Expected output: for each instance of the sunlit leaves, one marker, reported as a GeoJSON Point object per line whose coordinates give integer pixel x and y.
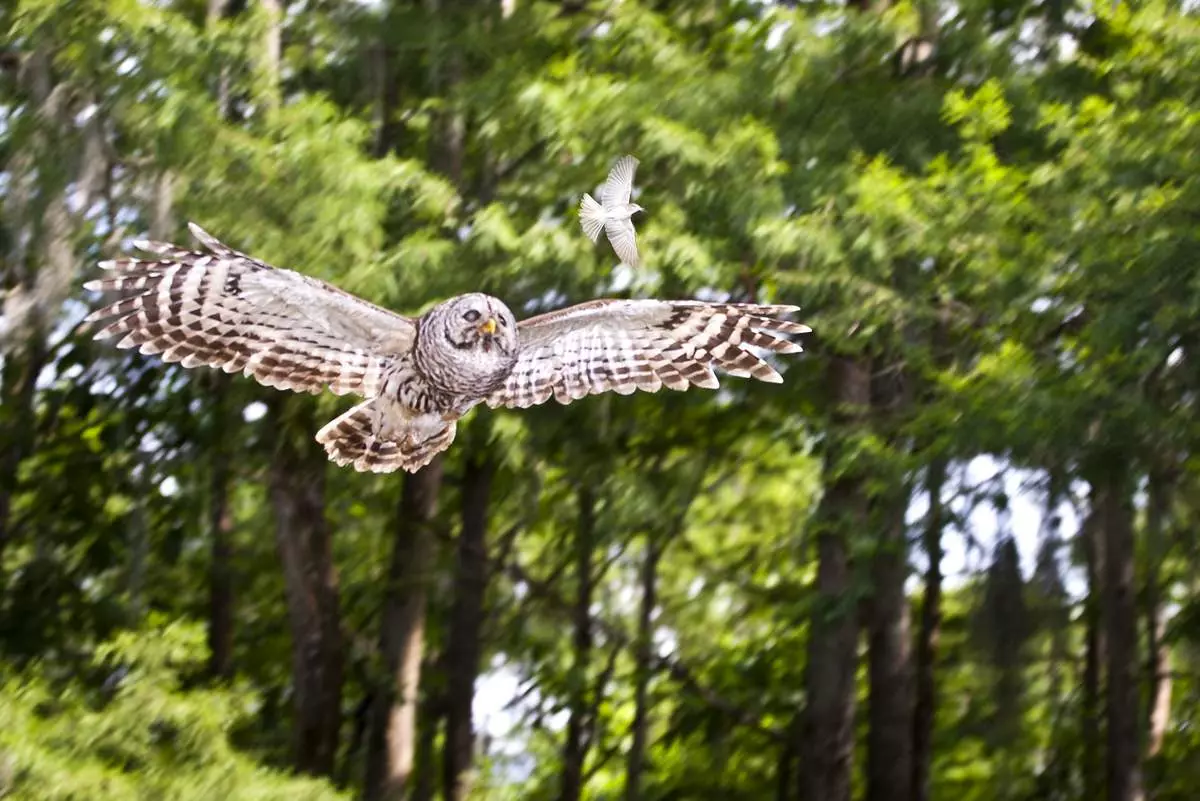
{"type": "Point", "coordinates": [981, 115]}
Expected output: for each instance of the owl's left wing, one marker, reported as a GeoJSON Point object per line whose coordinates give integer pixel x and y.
{"type": "Point", "coordinates": [627, 345]}
{"type": "Point", "coordinates": [224, 309]}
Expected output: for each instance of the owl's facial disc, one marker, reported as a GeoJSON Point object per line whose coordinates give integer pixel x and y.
{"type": "Point", "coordinates": [476, 323]}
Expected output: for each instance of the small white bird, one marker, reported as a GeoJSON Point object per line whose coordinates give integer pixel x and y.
{"type": "Point", "coordinates": [612, 214]}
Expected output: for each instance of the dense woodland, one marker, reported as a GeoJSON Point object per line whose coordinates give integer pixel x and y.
{"type": "Point", "coordinates": [954, 556]}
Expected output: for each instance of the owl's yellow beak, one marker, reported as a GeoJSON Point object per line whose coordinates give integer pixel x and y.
{"type": "Point", "coordinates": [488, 327]}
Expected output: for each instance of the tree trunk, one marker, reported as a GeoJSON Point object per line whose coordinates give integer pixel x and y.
{"type": "Point", "coordinates": [828, 741]}
{"type": "Point", "coordinates": [575, 745]}
{"type": "Point", "coordinates": [924, 715]}
{"type": "Point", "coordinates": [220, 525]}
{"type": "Point", "coordinates": [785, 767]}
{"type": "Point", "coordinates": [387, 126]}
{"type": "Point", "coordinates": [430, 714]}
{"type": "Point", "coordinates": [1158, 652]}
{"type": "Point", "coordinates": [1054, 614]}
{"type": "Point", "coordinates": [273, 50]}
{"type": "Point", "coordinates": [464, 646]}
{"type": "Point", "coordinates": [302, 538]}
{"type": "Point", "coordinates": [448, 149]}
{"type": "Point", "coordinates": [393, 727]}
{"type": "Point", "coordinates": [1124, 756]}
{"type": "Point", "coordinates": [1092, 533]}
{"type": "Point", "coordinates": [889, 663]}
{"type": "Point", "coordinates": [18, 377]}
{"type": "Point", "coordinates": [220, 520]}
{"type": "Point", "coordinates": [31, 295]}
{"type": "Point", "coordinates": [643, 657]}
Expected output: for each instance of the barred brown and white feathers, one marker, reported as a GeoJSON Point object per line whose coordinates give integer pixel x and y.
{"type": "Point", "coordinates": [228, 310]}
{"type": "Point", "coordinates": [381, 436]}
{"type": "Point", "coordinates": [626, 345]}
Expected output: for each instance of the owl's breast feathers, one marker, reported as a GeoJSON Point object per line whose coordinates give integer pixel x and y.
{"type": "Point", "coordinates": [447, 383]}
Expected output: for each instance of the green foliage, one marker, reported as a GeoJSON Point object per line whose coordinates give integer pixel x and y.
{"type": "Point", "coordinates": [143, 735]}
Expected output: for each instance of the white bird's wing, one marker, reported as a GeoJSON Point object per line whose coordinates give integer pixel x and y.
{"type": "Point", "coordinates": [624, 240]}
{"type": "Point", "coordinates": [619, 186]}
{"type": "Point", "coordinates": [229, 310]}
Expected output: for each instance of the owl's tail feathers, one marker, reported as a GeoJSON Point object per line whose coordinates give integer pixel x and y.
{"type": "Point", "coordinates": [591, 217]}
{"type": "Point", "coordinates": [380, 437]}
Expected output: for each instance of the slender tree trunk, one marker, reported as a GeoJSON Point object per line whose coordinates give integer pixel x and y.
{"type": "Point", "coordinates": [1158, 651]}
{"type": "Point", "coordinates": [302, 534]}
{"type": "Point", "coordinates": [32, 294]}
{"type": "Point", "coordinates": [789, 756]}
{"type": "Point", "coordinates": [216, 11]}
{"type": "Point", "coordinates": [24, 354]}
{"type": "Point", "coordinates": [828, 741]}
{"type": "Point", "coordinates": [393, 728]}
{"type": "Point", "coordinates": [220, 518]}
{"type": "Point", "coordinates": [387, 126]}
{"type": "Point", "coordinates": [162, 204]}
{"type": "Point", "coordinates": [302, 538]}
{"type": "Point", "coordinates": [18, 378]}
{"type": "Point", "coordinates": [220, 525]}
{"type": "Point", "coordinates": [464, 647]}
{"type": "Point", "coordinates": [1124, 754]}
{"type": "Point", "coordinates": [1053, 616]}
{"type": "Point", "coordinates": [643, 667]}
{"type": "Point", "coordinates": [575, 745]}
{"type": "Point", "coordinates": [430, 714]}
{"type": "Point", "coordinates": [927, 642]}
{"type": "Point", "coordinates": [448, 151]}
{"type": "Point", "coordinates": [1094, 657]}
{"type": "Point", "coordinates": [273, 49]}
{"type": "Point", "coordinates": [889, 663]}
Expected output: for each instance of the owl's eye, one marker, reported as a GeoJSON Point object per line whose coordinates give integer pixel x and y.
{"type": "Point", "coordinates": [471, 316]}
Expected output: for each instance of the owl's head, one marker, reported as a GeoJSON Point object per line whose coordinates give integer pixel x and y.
{"type": "Point", "coordinates": [478, 322]}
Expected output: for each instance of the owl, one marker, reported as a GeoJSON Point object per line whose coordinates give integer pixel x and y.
{"type": "Point", "coordinates": [418, 376]}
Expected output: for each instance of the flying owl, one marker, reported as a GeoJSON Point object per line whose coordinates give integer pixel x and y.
{"type": "Point", "coordinates": [225, 309]}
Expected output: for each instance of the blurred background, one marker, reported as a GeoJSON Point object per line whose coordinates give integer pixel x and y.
{"type": "Point", "coordinates": [954, 556]}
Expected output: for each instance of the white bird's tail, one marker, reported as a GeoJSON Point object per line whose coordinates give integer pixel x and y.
{"type": "Point", "coordinates": [378, 436]}
{"type": "Point", "coordinates": [591, 217]}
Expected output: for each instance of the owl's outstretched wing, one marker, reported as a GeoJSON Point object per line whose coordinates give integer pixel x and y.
{"type": "Point", "coordinates": [627, 345]}
{"type": "Point", "coordinates": [225, 309]}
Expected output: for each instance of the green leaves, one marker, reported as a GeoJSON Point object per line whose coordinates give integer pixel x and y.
{"type": "Point", "coordinates": [142, 736]}
{"type": "Point", "coordinates": [980, 116]}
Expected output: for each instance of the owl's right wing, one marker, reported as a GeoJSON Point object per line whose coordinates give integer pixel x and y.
{"type": "Point", "coordinates": [626, 345]}
{"type": "Point", "coordinates": [619, 186]}
{"type": "Point", "coordinates": [229, 310]}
